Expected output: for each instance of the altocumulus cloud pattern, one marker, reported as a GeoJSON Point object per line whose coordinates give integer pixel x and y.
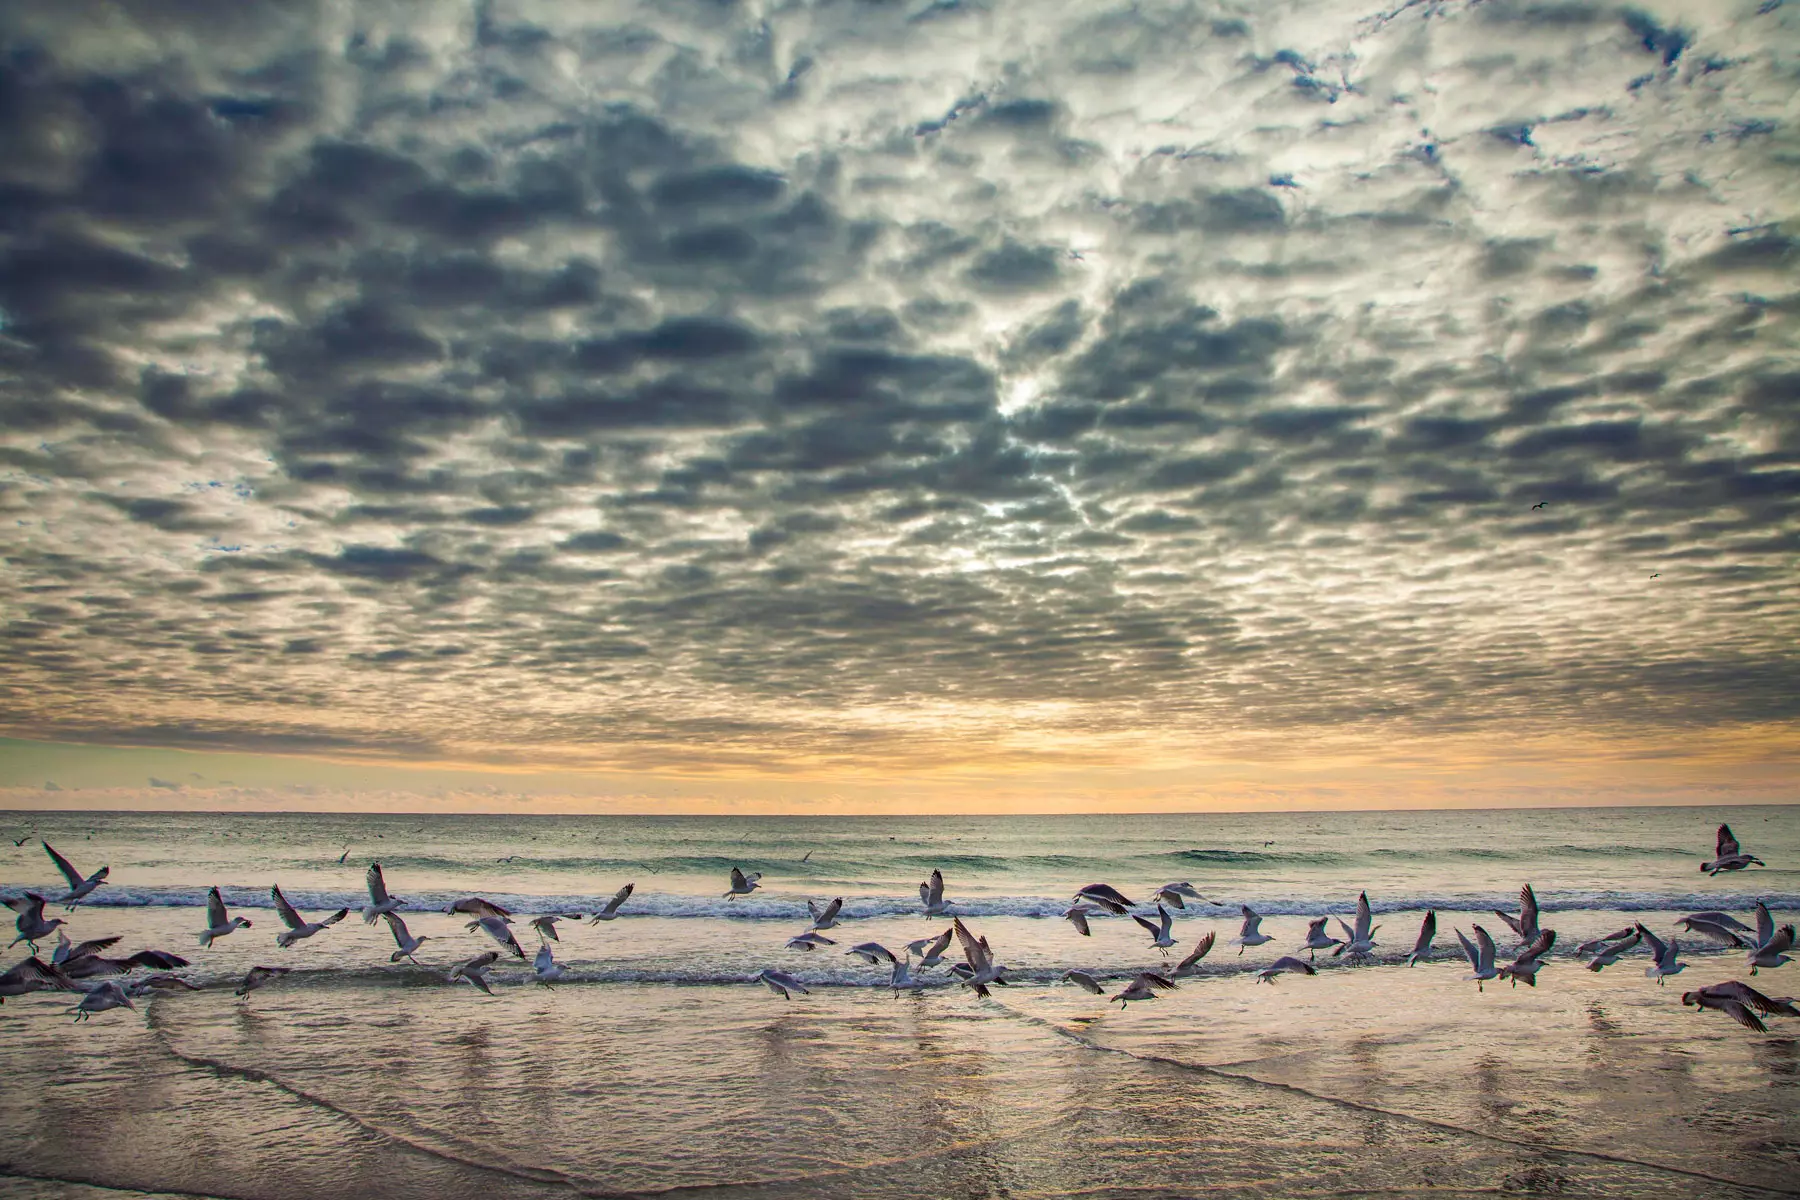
{"type": "Point", "coordinates": [775, 385]}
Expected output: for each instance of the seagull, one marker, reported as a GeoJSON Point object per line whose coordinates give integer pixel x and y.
{"type": "Point", "coordinates": [931, 949]}
{"type": "Point", "coordinates": [1539, 504]}
{"type": "Point", "coordinates": [1159, 931]}
{"type": "Point", "coordinates": [30, 923]}
{"type": "Point", "coordinates": [825, 918]}
{"type": "Point", "coordinates": [1729, 856]}
{"type": "Point", "coordinates": [65, 949]}
{"type": "Point", "coordinates": [1317, 939]}
{"type": "Point", "coordinates": [1144, 987]}
{"type": "Point", "coordinates": [106, 996]}
{"type": "Point", "coordinates": [380, 904]}
{"type": "Point", "coordinates": [20, 841]}
{"type": "Point", "coordinates": [1770, 953]}
{"type": "Point", "coordinates": [901, 977]}
{"type": "Point", "coordinates": [1525, 925]}
{"type": "Point", "coordinates": [547, 968]}
{"type": "Point", "coordinates": [1183, 888]}
{"type": "Point", "coordinates": [781, 983]}
{"type": "Point", "coordinates": [1719, 918]}
{"type": "Point", "coordinates": [496, 928]}
{"type": "Point", "coordinates": [873, 953]}
{"type": "Point", "coordinates": [217, 923]}
{"type": "Point", "coordinates": [85, 963]}
{"type": "Point", "coordinates": [983, 970]}
{"type": "Point", "coordinates": [79, 888]}
{"type": "Point", "coordinates": [1251, 934]}
{"type": "Point", "coordinates": [1078, 914]}
{"type": "Point", "coordinates": [1733, 1004]}
{"type": "Point", "coordinates": [343, 856]}
{"type": "Point", "coordinates": [1664, 953]}
{"type": "Point", "coordinates": [611, 911]}
{"type": "Point", "coordinates": [161, 982]}
{"type": "Point", "coordinates": [1191, 964]}
{"type": "Point", "coordinates": [1745, 995]}
{"type": "Point", "coordinates": [1084, 981]}
{"type": "Point", "coordinates": [1361, 941]}
{"type": "Point", "coordinates": [1712, 930]}
{"type": "Point", "coordinates": [257, 976]}
{"type": "Point", "coordinates": [1107, 897]}
{"type": "Point", "coordinates": [30, 976]}
{"type": "Point", "coordinates": [1422, 947]}
{"type": "Point", "coordinates": [475, 906]}
{"type": "Point", "coordinates": [1285, 963]}
{"type": "Point", "coordinates": [1611, 953]}
{"type": "Point", "coordinates": [742, 884]}
{"type": "Point", "coordinates": [1618, 935]}
{"type": "Point", "coordinates": [1171, 898]}
{"type": "Point", "coordinates": [546, 925]}
{"type": "Point", "coordinates": [407, 943]}
{"type": "Point", "coordinates": [1480, 954]}
{"type": "Point", "coordinates": [297, 926]}
{"type": "Point", "coordinates": [809, 941]}
{"type": "Point", "coordinates": [475, 970]}
{"type": "Point", "coordinates": [931, 895]}
{"type": "Point", "coordinates": [1524, 968]}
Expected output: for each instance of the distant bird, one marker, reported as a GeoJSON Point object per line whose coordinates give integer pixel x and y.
{"type": "Point", "coordinates": [781, 983]}
{"type": "Point", "coordinates": [931, 895]}
{"type": "Point", "coordinates": [611, 911]}
{"type": "Point", "coordinates": [380, 903]}
{"type": "Point", "coordinates": [30, 922]}
{"type": "Point", "coordinates": [1539, 504]}
{"type": "Point", "coordinates": [1664, 953]}
{"type": "Point", "coordinates": [1360, 939]}
{"type": "Point", "coordinates": [1251, 934]}
{"type": "Point", "coordinates": [547, 968]}
{"type": "Point", "coordinates": [407, 944]}
{"type": "Point", "coordinates": [1143, 987]}
{"type": "Point", "coordinates": [742, 884]}
{"type": "Point", "coordinates": [475, 970]}
{"type": "Point", "coordinates": [1480, 954]}
{"type": "Point", "coordinates": [1422, 947]}
{"type": "Point", "coordinates": [79, 888]}
{"type": "Point", "coordinates": [1107, 897]}
{"type": "Point", "coordinates": [825, 918]}
{"type": "Point", "coordinates": [1159, 930]}
{"type": "Point", "coordinates": [496, 928]}
{"type": "Point", "coordinates": [298, 927]}
{"type": "Point", "coordinates": [20, 841]}
{"type": "Point", "coordinates": [808, 855]}
{"type": "Point", "coordinates": [810, 940]}
{"type": "Point", "coordinates": [1317, 939]}
{"type": "Point", "coordinates": [1191, 964]}
{"type": "Point", "coordinates": [1286, 964]}
{"type": "Point", "coordinates": [217, 923]}
{"type": "Point", "coordinates": [258, 976]}
{"type": "Point", "coordinates": [475, 906]}
{"type": "Point", "coordinates": [106, 996]}
{"type": "Point", "coordinates": [1656, 574]}
{"type": "Point", "coordinates": [1728, 855]}
{"type": "Point", "coordinates": [1613, 951]}
{"type": "Point", "coordinates": [931, 949]}
{"type": "Point", "coordinates": [32, 975]}
{"type": "Point", "coordinates": [873, 953]}
{"type": "Point", "coordinates": [343, 856]}
{"type": "Point", "coordinates": [1525, 925]}
{"type": "Point", "coordinates": [979, 958]}
{"type": "Point", "coordinates": [1078, 914]}
{"type": "Point", "coordinates": [1600, 943]}
{"type": "Point", "coordinates": [1524, 968]}
{"type": "Point", "coordinates": [1084, 981]}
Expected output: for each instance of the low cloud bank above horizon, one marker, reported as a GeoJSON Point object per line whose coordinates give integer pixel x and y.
{"type": "Point", "coordinates": [733, 389]}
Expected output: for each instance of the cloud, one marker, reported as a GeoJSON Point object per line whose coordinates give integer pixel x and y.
{"type": "Point", "coordinates": [854, 391]}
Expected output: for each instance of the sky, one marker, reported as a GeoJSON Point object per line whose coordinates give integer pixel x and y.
{"type": "Point", "coordinates": [898, 405]}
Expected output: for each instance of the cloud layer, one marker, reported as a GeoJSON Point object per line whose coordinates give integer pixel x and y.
{"type": "Point", "coordinates": [855, 386]}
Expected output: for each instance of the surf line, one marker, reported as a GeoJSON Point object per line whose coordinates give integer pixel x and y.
{"type": "Point", "coordinates": [1376, 1110]}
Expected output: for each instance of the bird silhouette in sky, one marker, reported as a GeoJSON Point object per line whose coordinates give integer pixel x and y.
{"type": "Point", "coordinates": [1539, 504]}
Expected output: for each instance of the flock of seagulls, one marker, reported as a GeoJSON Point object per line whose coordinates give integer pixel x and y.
{"type": "Point", "coordinates": [108, 983]}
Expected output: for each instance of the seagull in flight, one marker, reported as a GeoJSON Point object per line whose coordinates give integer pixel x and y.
{"type": "Point", "coordinates": [873, 953]}
{"type": "Point", "coordinates": [1143, 987]}
{"type": "Point", "coordinates": [1524, 968]}
{"type": "Point", "coordinates": [1613, 951]}
{"type": "Point", "coordinates": [611, 911]}
{"type": "Point", "coordinates": [780, 982]}
{"type": "Point", "coordinates": [931, 895]}
{"type": "Point", "coordinates": [1480, 954]}
{"type": "Point", "coordinates": [1084, 981]}
{"type": "Point", "coordinates": [827, 917]}
{"type": "Point", "coordinates": [1735, 1000]}
{"type": "Point", "coordinates": [1191, 964]}
{"type": "Point", "coordinates": [258, 976]}
{"type": "Point", "coordinates": [496, 928]}
{"type": "Point", "coordinates": [1664, 953]}
{"type": "Point", "coordinates": [30, 976]}
{"type": "Point", "coordinates": [546, 925]}
{"type": "Point", "coordinates": [475, 970]}
{"type": "Point", "coordinates": [547, 968]}
{"type": "Point", "coordinates": [1251, 934]}
{"type": "Point", "coordinates": [380, 903]}
{"type": "Point", "coordinates": [1286, 964]}
{"type": "Point", "coordinates": [1728, 855]}
{"type": "Point", "coordinates": [931, 949]}
{"type": "Point", "coordinates": [1160, 931]}
{"type": "Point", "coordinates": [1108, 897]}
{"type": "Point", "coordinates": [983, 970]}
{"type": "Point", "coordinates": [217, 923]}
{"type": "Point", "coordinates": [1539, 504]}
{"type": "Point", "coordinates": [1525, 925]}
{"type": "Point", "coordinates": [475, 906]}
{"type": "Point", "coordinates": [1361, 939]}
{"type": "Point", "coordinates": [1422, 947]}
{"type": "Point", "coordinates": [810, 940]}
{"type": "Point", "coordinates": [1078, 914]}
{"type": "Point", "coordinates": [742, 884]}
{"type": "Point", "coordinates": [106, 996]}
{"type": "Point", "coordinates": [30, 922]}
{"type": "Point", "coordinates": [407, 944]}
{"type": "Point", "coordinates": [1317, 939]}
{"type": "Point", "coordinates": [1600, 943]}
{"type": "Point", "coordinates": [298, 927]}
{"type": "Point", "coordinates": [79, 888]}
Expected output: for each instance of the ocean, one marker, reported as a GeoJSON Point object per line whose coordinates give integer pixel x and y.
{"type": "Point", "coordinates": [658, 1068]}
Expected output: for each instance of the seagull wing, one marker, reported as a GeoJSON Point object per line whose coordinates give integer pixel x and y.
{"type": "Point", "coordinates": [832, 909]}
{"type": "Point", "coordinates": [1741, 1013]}
{"type": "Point", "coordinates": [215, 910]}
{"type": "Point", "coordinates": [93, 947]}
{"type": "Point", "coordinates": [1765, 924]}
{"type": "Point", "coordinates": [397, 927]}
{"type": "Point", "coordinates": [1528, 912]}
{"type": "Point", "coordinates": [1727, 845]}
{"type": "Point", "coordinates": [378, 893]}
{"type": "Point", "coordinates": [1782, 942]}
{"type": "Point", "coordinates": [1362, 918]}
{"type": "Point", "coordinates": [935, 895]}
{"type": "Point", "coordinates": [1658, 947]}
{"type": "Point", "coordinates": [1427, 931]}
{"type": "Point", "coordinates": [544, 959]}
{"type": "Point", "coordinates": [1251, 921]}
{"type": "Point", "coordinates": [1078, 918]}
{"type": "Point", "coordinates": [1150, 927]}
{"type": "Point", "coordinates": [1201, 949]}
{"type": "Point", "coordinates": [289, 917]}
{"type": "Point", "coordinates": [1486, 944]}
{"type": "Point", "coordinates": [619, 897]}
{"type": "Point", "coordinates": [65, 866]}
{"type": "Point", "coordinates": [1469, 950]}
{"type": "Point", "coordinates": [974, 950]}
{"type": "Point", "coordinates": [738, 883]}
{"type": "Point", "coordinates": [1168, 920]}
{"type": "Point", "coordinates": [1517, 926]}
{"type": "Point", "coordinates": [941, 944]}
{"type": "Point", "coordinates": [1539, 947]}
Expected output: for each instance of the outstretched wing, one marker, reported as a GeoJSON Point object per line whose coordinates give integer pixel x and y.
{"type": "Point", "coordinates": [1657, 948]}
{"type": "Point", "coordinates": [65, 866]}
{"type": "Point", "coordinates": [1201, 949]}
{"type": "Point", "coordinates": [1765, 924]}
{"type": "Point", "coordinates": [1742, 1014]}
{"type": "Point", "coordinates": [397, 927]}
{"type": "Point", "coordinates": [1469, 950]}
{"type": "Point", "coordinates": [90, 947]}
{"type": "Point", "coordinates": [215, 910]}
{"type": "Point", "coordinates": [1362, 918]}
{"type": "Point", "coordinates": [1427, 931]}
{"type": "Point", "coordinates": [1487, 948]}
{"type": "Point", "coordinates": [619, 897]}
{"type": "Point", "coordinates": [378, 893]}
{"type": "Point", "coordinates": [1251, 921]}
{"type": "Point", "coordinates": [289, 916]}
{"type": "Point", "coordinates": [1528, 910]}
{"type": "Point", "coordinates": [974, 950]}
{"type": "Point", "coordinates": [1540, 947]}
{"type": "Point", "coordinates": [737, 879]}
{"type": "Point", "coordinates": [1727, 845]}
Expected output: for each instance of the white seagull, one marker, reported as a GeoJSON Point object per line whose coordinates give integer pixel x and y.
{"type": "Point", "coordinates": [1143, 987]}
{"type": "Point", "coordinates": [298, 927]}
{"type": "Point", "coordinates": [547, 968]}
{"type": "Point", "coordinates": [742, 884]}
{"type": "Point", "coordinates": [611, 911]}
{"type": "Point", "coordinates": [1108, 897]}
{"type": "Point", "coordinates": [931, 949]}
{"type": "Point", "coordinates": [475, 970]}
{"type": "Point", "coordinates": [873, 953]}
{"type": "Point", "coordinates": [1183, 888]}
{"type": "Point", "coordinates": [1599, 943]}
{"type": "Point", "coordinates": [1771, 954]}
{"type": "Point", "coordinates": [1286, 963]}
{"type": "Point", "coordinates": [1317, 939]}
{"type": "Point", "coordinates": [1251, 934]}
{"type": "Point", "coordinates": [1728, 855]}
{"type": "Point", "coordinates": [1736, 999]}
{"type": "Point", "coordinates": [1524, 968]}
{"type": "Point", "coordinates": [983, 970]}
{"type": "Point", "coordinates": [257, 977]}
{"type": "Point", "coordinates": [780, 982]}
{"type": "Point", "coordinates": [380, 903]}
{"type": "Point", "coordinates": [931, 895]}
{"type": "Point", "coordinates": [1077, 915]}
{"type": "Point", "coordinates": [217, 923]}
{"type": "Point", "coordinates": [79, 888]}
{"type": "Point", "coordinates": [475, 906]}
{"type": "Point", "coordinates": [1664, 952]}
{"type": "Point", "coordinates": [30, 923]}
{"type": "Point", "coordinates": [546, 925]}
{"type": "Point", "coordinates": [1480, 954]}
{"type": "Point", "coordinates": [403, 938]}
{"type": "Point", "coordinates": [1361, 939]}
{"type": "Point", "coordinates": [496, 928]}
{"type": "Point", "coordinates": [809, 941]}
{"type": "Point", "coordinates": [1427, 932]}
{"type": "Point", "coordinates": [1191, 964]}
{"type": "Point", "coordinates": [901, 977]}
{"type": "Point", "coordinates": [1613, 951]}
{"type": "Point", "coordinates": [827, 917]}
{"type": "Point", "coordinates": [1160, 931]}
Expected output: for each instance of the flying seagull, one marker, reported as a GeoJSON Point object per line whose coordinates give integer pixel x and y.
{"type": "Point", "coordinates": [1525, 925]}
{"type": "Point", "coordinates": [547, 968]}
{"type": "Point", "coordinates": [1747, 997]}
{"type": "Point", "coordinates": [810, 940]}
{"type": "Point", "coordinates": [475, 970]}
{"type": "Point", "coordinates": [30, 922]}
{"type": "Point", "coordinates": [1191, 964]}
{"type": "Point", "coordinates": [1772, 952]}
{"type": "Point", "coordinates": [1524, 968]}
{"type": "Point", "coordinates": [217, 923]}
{"type": "Point", "coordinates": [781, 983]}
{"type": "Point", "coordinates": [407, 944]}
{"type": "Point", "coordinates": [1084, 981]}
{"type": "Point", "coordinates": [983, 970]}
{"type": "Point", "coordinates": [825, 918]}
{"type": "Point", "coordinates": [79, 888]}
{"type": "Point", "coordinates": [1160, 931]}
{"type": "Point", "coordinates": [107, 996]}
{"type": "Point", "coordinates": [1251, 934]}
{"type": "Point", "coordinates": [380, 903]}
{"type": "Point", "coordinates": [1480, 954]}
{"type": "Point", "coordinates": [742, 884]}
{"type": "Point", "coordinates": [30, 976]}
{"type": "Point", "coordinates": [1107, 897]}
{"type": "Point", "coordinates": [496, 928]}
{"type": "Point", "coordinates": [873, 953]}
{"type": "Point", "coordinates": [611, 911]}
{"type": "Point", "coordinates": [1600, 943]}
{"type": "Point", "coordinates": [1143, 987]}
{"type": "Point", "coordinates": [931, 949]}
{"type": "Point", "coordinates": [1285, 964]}
{"type": "Point", "coordinates": [258, 976]}
{"type": "Point", "coordinates": [1360, 941]}
{"type": "Point", "coordinates": [475, 906]}
{"type": "Point", "coordinates": [1078, 914]}
{"type": "Point", "coordinates": [1317, 939]}
{"type": "Point", "coordinates": [1613, 951]}
{"type": "Point", "coordinates": [931, 895]}
{"type": "Point", "coordinates": [298, 927]}
{"type": "Point", "coordinates": [1539, 504]}
{"type": "Point", "coordinates": [1422, 947]}
{"type": "Point", "coordinates": [1664, 953]}
{"type": "Point", "coordinates": [1728, 855]}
